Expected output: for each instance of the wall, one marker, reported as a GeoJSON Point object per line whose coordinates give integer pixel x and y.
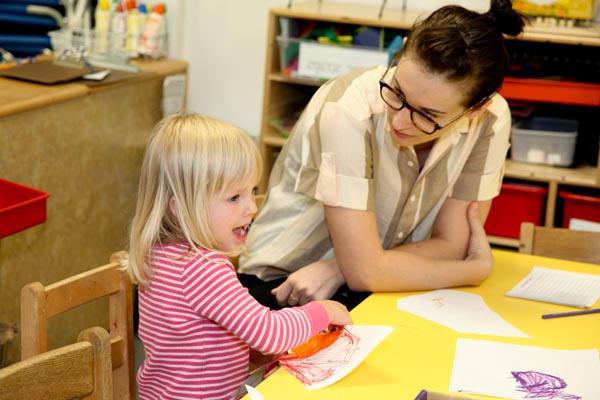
{"type": "Point", "coordinates": [225, 44]}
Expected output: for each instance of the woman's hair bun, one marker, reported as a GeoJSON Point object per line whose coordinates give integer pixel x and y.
{"type": "Point", "coordinates": [508, 21]}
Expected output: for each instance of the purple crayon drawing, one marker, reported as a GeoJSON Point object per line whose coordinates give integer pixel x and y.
{"type": "Point", "coordinates": [538, 385]}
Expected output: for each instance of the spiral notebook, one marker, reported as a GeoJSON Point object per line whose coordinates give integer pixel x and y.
{"type": "Point", "coordinates": [558, 287]}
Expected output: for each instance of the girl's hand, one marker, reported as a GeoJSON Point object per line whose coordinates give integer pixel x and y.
{"type": "Point", "coordinates": [338, 313]}
{"type": "Point", "coordinates": [479, 252]}
{"type": "Point", "coordinates": [316, 281]}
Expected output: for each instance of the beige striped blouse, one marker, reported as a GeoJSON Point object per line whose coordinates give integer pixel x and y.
{"type": "Point", "coordinates": [341, 154]}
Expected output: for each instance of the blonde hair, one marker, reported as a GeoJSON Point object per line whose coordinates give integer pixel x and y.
{"type": "Point", "coordinates": [190, 158]}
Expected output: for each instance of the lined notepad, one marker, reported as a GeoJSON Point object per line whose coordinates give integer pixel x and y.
{"type": "Point", "coordinates": [559, 287]}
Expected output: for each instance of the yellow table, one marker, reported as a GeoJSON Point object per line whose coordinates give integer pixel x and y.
{"type": "Point", "coordinates": [419, 354]}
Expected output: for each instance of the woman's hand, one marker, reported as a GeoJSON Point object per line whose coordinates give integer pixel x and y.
{"type": "Point", "coordinates": [316, 281]}
{"type": "Point", "coordinates": [479, 252]}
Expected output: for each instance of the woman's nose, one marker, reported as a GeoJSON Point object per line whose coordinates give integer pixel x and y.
{"type": "Point", "coordinates": [400, 119]}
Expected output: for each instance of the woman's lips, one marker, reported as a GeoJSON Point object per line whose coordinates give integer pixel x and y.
{"type": "Point", "coordinates": [401, 135]}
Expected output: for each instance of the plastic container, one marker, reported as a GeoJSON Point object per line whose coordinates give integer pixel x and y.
{"type": "Point", "coordinates": [544, 140]}
{"type": "Point", "coordinates": [579, 206]}
{"type": "Point", "coordinates": [309, 59]}
{"type": "Point", "coordinates": [516, 203]}
{"type": "Point", "coordinates": [21, 207]}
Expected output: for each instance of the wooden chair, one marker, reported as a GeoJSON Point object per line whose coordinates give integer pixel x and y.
{"type": "Point", "coordinates": [560, 243]}
{"type": "Point", "coordinates": [39, 303]}
{"type": "Point", "coordinates": [80, 370]}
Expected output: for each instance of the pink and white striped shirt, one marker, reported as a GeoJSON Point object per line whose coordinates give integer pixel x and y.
{"type": "Point", "coordinates": [197, 322]}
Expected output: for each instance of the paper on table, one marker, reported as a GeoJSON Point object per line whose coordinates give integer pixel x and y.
{"type": "Point", "coordinates": [559, 287]}
{"type": "Point", "coordinates": [338, 360]}
{"type": "Point", "coordinates": [522, 372]}
{"type": "Point", "coordinates": [97, 76]}
{"type": "Point", "coordinates": [253, 393]}
{"type": "Point", "coordinates": [576, 224]}
{"type": "Point", "coordinates": [461, 311]}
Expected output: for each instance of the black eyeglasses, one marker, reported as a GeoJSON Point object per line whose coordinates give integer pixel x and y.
{"type": "Point", "coordinates": [422, 122]}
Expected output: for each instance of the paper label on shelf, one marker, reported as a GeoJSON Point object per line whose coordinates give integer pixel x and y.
{"type": "Point", "coordinates": [535, 156]}
{"type": "Point", "coordinates": [327, 61]}
{"type": "Point", "coordinates": [554, 158]}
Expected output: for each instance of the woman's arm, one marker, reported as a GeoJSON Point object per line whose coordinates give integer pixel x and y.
{"type": "Point", "coordinates": [450, 240]}
{"type": "Point", "coordinates": [365, 265]}
{"type": "Point", "coordinates": [450, 233]}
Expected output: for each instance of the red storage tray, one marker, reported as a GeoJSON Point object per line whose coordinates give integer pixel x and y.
{"type": "Point", "coordinates": [579, 206]}
{"type": "Point", "coordinates": [21, 207]}
{"type": "Point", "coordinates": [516, 203]}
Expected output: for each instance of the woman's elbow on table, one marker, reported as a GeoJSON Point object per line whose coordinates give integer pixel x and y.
{"type": "Point", "coordinates": [353, 273]}
{"type": "Point", "coordinates": [359, 284]}
{"type": "Point", "coordinates": [480, 271]}
{"type": "Point", "coordinates": [360, 276]}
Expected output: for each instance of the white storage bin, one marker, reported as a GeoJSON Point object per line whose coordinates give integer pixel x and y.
{"type": "Point", "coordinates": [544, 140]}
{"type": "Point", "coordinates": [308, 59]}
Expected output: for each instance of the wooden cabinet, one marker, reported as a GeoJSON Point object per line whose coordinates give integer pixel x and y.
{"type": "Point", "coordinates": [285, 95]}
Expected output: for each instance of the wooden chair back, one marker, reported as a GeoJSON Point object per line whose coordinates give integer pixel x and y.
{"type": "Point", "coordinates": [81, 370]}
{"type": "Point", "coordinates": [39, 303]}
{"type": "Point", "coordinates": [560, 243]}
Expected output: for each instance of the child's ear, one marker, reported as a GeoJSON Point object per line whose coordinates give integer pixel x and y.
{"type": "Point", "coordinates": [173, 205]}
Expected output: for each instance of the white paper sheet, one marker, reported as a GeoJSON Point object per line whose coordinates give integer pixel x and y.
{"type": "Point", "coordinates": [559, 287]}
{"type": "Point", "coordinates": [464, 312]}
{"type": "Point", "coordinates": [576, 224]}
{"type": "Point", "coordinates": [253, 393]}
{"type": "Point", "coordinates": [525, 372]}
{"type": "Point", "coordinates": [338, 360]}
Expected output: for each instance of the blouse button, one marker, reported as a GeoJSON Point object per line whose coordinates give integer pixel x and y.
{"type": "Point", "coordinates": [410, 163]}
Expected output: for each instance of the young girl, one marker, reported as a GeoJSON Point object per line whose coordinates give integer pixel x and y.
{"type": "Point", "coordinates": [197, 322]}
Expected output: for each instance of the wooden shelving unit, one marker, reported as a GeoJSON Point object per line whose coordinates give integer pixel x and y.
{"type": "Point", "coordinates": [582, 176]}
{"type": "Point", "coordinates": [277, 77]}
{"type": "Point", "coordinates": [283, 94]}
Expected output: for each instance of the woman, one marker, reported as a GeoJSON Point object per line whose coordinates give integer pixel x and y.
{"type": "Point", "coordinates": [389, 173]}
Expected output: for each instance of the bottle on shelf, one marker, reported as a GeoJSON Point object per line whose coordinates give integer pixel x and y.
{"type": "Point", "coordinates": [133, 29]}
{"type": "Point", "coordinates": [152, 43]}
{"type": "Point", "coordinates": [102, 17]}
{"type": "Point", "coordinates": [118, 29]}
